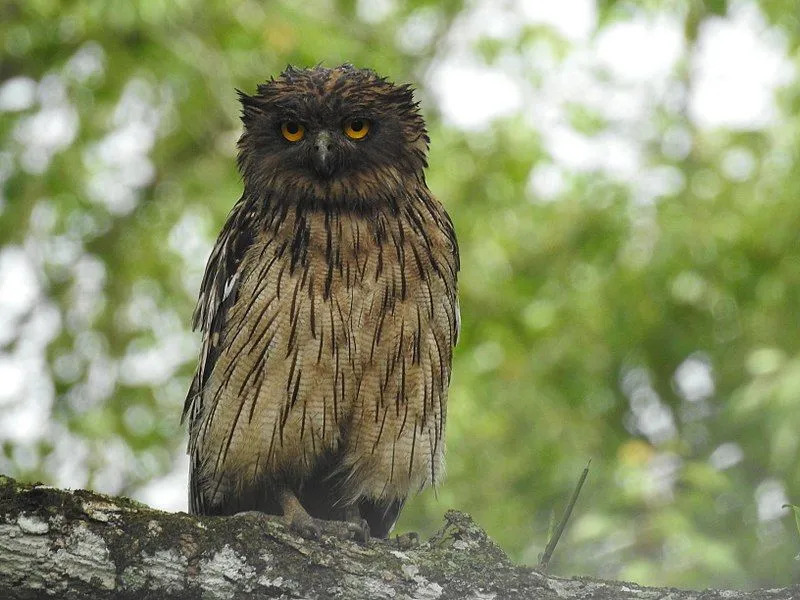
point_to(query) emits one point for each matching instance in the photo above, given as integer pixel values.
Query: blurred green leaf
(796, 511)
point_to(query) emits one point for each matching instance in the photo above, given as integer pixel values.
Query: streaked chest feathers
(339, 340)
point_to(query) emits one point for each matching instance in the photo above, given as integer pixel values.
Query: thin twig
(551, 545)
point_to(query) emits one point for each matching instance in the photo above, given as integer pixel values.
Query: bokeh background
(624, 180)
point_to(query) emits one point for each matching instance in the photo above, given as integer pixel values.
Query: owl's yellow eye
(356, 129)
(293, 131)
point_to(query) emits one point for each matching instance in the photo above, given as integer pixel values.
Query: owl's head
(341, 135)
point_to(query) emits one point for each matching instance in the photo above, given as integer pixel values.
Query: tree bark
(80, 544)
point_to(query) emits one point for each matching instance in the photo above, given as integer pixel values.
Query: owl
(328, 310)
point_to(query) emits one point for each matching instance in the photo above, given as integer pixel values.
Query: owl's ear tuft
(290, 72)
(250, 107)
(403, 95)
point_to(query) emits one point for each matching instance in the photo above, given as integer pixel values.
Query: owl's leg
(298, 519)
(360, 525)
(296, 516)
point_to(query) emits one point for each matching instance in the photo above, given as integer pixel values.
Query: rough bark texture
(80, 544)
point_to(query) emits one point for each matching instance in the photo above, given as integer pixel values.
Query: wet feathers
(328, 310)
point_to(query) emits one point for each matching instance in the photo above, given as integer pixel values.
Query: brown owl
(328, 310)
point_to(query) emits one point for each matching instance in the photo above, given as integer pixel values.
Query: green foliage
(796, 511)
(656, 334)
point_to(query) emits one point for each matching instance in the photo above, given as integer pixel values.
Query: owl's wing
(218, 293)
(450, 231)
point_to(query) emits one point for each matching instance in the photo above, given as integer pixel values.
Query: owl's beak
(323, 154)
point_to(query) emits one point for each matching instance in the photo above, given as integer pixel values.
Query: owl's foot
(407, 541)
(304, 525)
(313, 529)
(358, 525)
(345, 530)
(299, 521)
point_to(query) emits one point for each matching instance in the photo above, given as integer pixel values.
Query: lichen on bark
(80, 544)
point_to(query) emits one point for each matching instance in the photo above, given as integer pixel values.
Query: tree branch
(80, 544)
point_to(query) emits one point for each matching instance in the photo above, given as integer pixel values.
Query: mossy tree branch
(80, 544)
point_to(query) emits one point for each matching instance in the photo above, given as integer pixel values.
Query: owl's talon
(358, 525)
(306, 527)
(360, 530)
(406, 541)
(344, 530)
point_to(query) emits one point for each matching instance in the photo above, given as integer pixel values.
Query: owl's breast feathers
(327, 333)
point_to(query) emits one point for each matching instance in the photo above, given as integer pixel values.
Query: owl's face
(339, 135)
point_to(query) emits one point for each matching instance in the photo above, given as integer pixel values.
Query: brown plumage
(328, 311)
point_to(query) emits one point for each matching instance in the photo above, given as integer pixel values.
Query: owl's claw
(304, 525)
(360, 530)
(406, 541)
(311, 528)
(358, 525)
(345, 530)
(299, 521)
